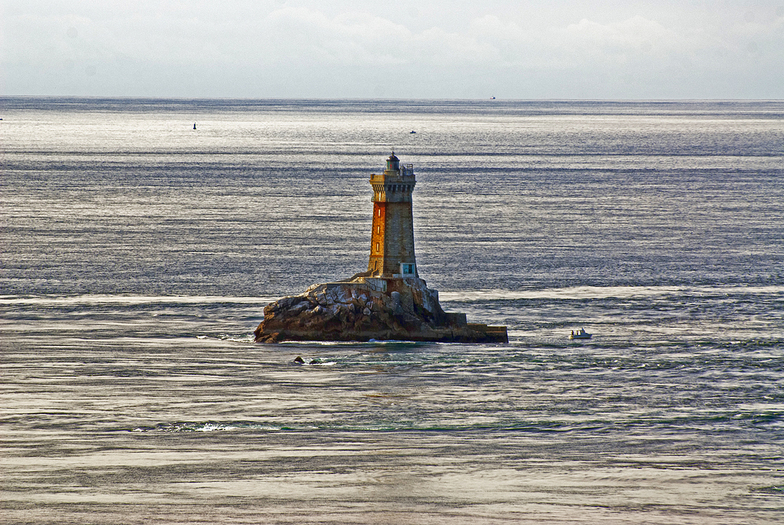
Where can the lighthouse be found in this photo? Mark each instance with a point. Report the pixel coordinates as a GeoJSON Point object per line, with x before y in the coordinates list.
{"type": "Point", "coordinates": [392, 240]}
{"type": "Point", "coordinates": [388, 301]}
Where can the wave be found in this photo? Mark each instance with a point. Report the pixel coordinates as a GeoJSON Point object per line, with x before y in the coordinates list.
{"type": "Point", "coordinates": [574, 292]}
{"type": "Point", "coordinates": [608, 292]}
{"type": "Point", "coordinates": [130, 300]}
{"type": "Point", "coordinates": [732, 420]}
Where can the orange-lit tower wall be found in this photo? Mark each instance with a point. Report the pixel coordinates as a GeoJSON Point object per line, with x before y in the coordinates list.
{"type": "Point", "coordinates": [392, 241]}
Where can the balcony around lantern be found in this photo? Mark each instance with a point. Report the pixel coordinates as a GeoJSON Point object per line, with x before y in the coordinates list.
{"type": "Point", "coordinates": [405, 174]}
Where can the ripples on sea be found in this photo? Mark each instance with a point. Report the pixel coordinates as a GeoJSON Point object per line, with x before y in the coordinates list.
{"type": "Point", "coordinates": [138, 254]}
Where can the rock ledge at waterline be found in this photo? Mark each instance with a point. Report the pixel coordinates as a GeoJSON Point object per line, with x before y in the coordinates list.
{"type": "Point", "coordinates": [365, 308]}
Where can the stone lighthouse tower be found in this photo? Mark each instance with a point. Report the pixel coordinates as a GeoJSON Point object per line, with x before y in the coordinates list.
{"type": "Point", "coordinates": [387, 302]}
{"type": "Point", "coordinates": [392, 241]}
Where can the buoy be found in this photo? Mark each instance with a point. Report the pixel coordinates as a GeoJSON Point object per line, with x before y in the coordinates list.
{"type": "Point", "coordinates": [194, 125]}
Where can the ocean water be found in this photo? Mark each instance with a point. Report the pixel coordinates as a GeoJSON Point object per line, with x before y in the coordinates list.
{"type": "Point", "coordinates": [138, 253]}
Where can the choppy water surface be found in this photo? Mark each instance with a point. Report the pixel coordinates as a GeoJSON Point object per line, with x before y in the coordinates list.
{"type": "Point", "coordinates": [137, 256]}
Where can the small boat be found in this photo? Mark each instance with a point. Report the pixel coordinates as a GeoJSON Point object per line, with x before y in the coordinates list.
{"type": "Point", "coordinates": [580, 334]}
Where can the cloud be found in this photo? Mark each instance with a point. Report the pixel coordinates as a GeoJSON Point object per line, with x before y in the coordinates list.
{"type": "Point", "coordinates": [302, 48]}
{"type": "Point", "coordinates": [611, 41]}
{"type": "Point", "coordinates": [360, 38]}
{"type": "Point", "coordinates": [439, 47]}
{"type": "Point", "coordinates": [640, 53]}
{"type": "Point", "coordinates": [353, 38]}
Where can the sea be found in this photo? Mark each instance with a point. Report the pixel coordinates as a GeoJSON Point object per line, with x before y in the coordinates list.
{"type": "Point", "coordinates": [141, 239]}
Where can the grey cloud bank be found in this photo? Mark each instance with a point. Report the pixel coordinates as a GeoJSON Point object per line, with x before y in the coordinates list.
{"type": "Point", "coordinates": [587, 49]}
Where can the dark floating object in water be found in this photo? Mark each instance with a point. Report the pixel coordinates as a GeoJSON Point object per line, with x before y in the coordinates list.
{"type": "Point", "coordinates": [194, 125]}
{"type": "Point", "coordinates": [412, 131]}
{"type": "Point", "coordinates": [299, 361]}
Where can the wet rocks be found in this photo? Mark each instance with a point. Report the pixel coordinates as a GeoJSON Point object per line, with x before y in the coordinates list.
{"type": "Point", "coordinates": [364, 309]}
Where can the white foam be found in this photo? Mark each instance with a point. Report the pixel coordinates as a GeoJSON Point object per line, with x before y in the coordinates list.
{"type": "Point", "coordinates": [575, 292]}
{"type": "Point", "coordinates": [604, 292]}
{"type": "Point", "coordinates": [130, 300]}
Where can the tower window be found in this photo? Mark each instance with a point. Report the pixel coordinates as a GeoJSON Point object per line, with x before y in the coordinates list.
{"type": "Point", "coordinates": [378, 246]}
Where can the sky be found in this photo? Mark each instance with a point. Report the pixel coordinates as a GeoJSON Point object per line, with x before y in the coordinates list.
{"type": "Point", "coordinates": [525, 49]}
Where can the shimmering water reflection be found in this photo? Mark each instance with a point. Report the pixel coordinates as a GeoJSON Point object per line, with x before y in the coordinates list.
{"type": "Point", "coordinates": [138, 256]}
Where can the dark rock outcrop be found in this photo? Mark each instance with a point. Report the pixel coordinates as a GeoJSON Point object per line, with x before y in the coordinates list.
{"type": "Point", "coordinates": [363, 309]}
